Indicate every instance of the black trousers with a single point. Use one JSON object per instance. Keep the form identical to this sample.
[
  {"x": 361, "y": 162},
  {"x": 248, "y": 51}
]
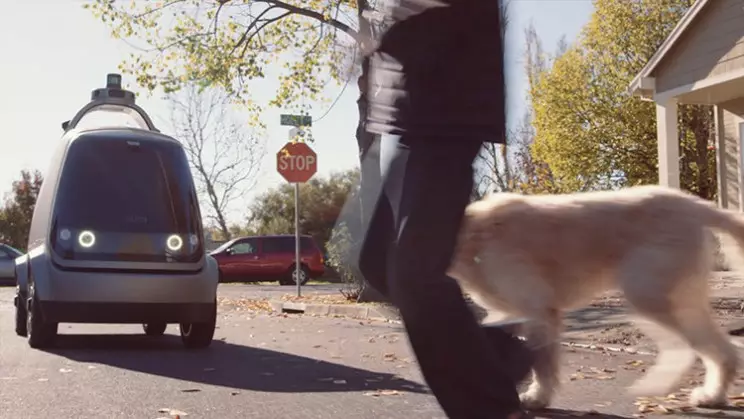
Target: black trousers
[{"x": 414, "y": 191}]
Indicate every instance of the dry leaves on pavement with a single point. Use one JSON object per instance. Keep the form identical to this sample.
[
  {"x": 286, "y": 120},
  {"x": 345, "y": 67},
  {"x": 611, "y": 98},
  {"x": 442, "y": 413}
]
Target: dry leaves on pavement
[
  {"x": 317, "y": 299},
  {"x": 378, "y": 393},
  {"x": 593, "y": 373},
  {"x": 248, "y": 304}
]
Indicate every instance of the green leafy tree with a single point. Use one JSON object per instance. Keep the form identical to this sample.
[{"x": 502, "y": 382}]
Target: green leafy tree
[
  {"x": 321, "y": 202},
  {"x": 589, "y": 130},
  {"x": 16, "y": 214},
  {"x": 234, "y": 43}
]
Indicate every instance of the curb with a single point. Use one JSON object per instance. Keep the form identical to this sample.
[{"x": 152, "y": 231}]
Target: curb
[{"x": 355, "y": 311}]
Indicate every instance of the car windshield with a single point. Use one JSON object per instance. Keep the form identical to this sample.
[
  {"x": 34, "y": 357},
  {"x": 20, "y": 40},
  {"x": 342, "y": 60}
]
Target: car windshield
[
  {"x": 129, "y": 189},
  {"x": 224, "y": 246}
]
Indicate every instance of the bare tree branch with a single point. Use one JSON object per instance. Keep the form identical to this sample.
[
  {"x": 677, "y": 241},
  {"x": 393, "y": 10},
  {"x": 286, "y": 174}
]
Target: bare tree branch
[{"x": 225, "y": 159}]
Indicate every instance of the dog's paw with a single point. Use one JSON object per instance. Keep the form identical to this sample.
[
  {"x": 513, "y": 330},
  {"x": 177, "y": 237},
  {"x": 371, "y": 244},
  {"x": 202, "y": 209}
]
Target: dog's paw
[
  {"x": 701, "y": 397},
  {"x": 534, "y": 399}
]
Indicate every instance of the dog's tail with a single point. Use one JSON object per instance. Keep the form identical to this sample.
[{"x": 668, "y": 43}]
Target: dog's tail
[{"x": 731, "y": 224}]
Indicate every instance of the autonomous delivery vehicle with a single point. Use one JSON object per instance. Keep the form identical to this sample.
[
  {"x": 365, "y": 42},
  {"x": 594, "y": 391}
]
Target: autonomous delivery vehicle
[{"x": 116, "y": 234}]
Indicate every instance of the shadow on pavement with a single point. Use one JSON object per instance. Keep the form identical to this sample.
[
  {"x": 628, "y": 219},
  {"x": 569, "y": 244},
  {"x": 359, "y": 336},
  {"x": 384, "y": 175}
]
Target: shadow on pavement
[
  {"x": 595, "y": 317},
  {"x": 226, "y": 364},
  {"x": 565, "y": 413}
]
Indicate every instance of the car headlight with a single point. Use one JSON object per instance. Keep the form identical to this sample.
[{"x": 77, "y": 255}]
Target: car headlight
[
  {"x": 85, "y": 238},
  {"x": 194, "y": 240},
  {"x": 65, "y": 234},
  {"x": 174, "y": 243}
]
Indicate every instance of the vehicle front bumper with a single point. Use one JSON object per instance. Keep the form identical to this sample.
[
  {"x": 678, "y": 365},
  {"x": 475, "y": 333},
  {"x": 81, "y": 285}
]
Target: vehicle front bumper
[{"x": 118, "y": 297}]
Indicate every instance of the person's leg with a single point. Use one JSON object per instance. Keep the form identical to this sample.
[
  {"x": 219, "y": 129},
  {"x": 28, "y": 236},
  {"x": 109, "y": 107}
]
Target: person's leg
[
  {"x": 376, "y": 220},
  {"x": 428, "y": 182}
]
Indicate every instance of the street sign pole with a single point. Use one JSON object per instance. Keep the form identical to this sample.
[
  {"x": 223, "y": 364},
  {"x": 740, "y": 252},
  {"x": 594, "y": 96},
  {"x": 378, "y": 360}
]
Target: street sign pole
[
  {"x": 297, "y": 238},
  {"x": 297, "y": 163}
]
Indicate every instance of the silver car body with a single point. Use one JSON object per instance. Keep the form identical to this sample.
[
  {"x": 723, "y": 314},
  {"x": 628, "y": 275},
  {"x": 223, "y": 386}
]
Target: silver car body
[{"x": 110, "y": 291}]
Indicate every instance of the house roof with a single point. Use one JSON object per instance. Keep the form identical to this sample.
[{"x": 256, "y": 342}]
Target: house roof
[{"x": 694, "y": 11}]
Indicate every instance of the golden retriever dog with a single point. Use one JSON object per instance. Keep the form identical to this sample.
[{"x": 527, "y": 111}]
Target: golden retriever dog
[{"x": 536, "y": 257}]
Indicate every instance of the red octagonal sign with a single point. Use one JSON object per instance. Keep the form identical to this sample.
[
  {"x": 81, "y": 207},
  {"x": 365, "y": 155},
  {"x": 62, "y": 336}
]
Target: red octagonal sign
[{"x": 296, "y": 162}]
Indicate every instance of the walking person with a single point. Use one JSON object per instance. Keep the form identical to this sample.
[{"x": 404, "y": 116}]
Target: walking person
[{"x": 436, "y": 93}]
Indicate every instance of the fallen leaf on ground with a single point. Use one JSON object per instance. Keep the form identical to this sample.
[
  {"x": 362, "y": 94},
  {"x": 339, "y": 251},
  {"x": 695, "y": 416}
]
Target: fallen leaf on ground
[
  {"x": 172, "y": 412},
  {"x": 378, "y": 393},
  {"x": 389, "y": 357}
]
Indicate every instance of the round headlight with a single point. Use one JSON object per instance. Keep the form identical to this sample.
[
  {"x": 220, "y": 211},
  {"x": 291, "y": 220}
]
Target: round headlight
[
  {"x": 174, "y": 243},
  {"x": 86, "y": 239},
  {"x": 194, "y": 239},
  {"x": 65, "y": 234}
]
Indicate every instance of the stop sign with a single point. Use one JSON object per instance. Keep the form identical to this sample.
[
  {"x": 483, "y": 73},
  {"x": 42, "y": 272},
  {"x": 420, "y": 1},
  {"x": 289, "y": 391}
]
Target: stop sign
[{"x": 296, "y": 162}]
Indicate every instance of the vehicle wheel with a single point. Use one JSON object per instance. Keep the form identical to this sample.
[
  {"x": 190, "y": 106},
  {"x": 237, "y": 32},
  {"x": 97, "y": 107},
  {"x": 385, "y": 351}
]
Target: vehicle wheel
[
  {"x": 199, "y": 335},
  {"x": 40, "y": 334},
  {"x": 20, "y": 316},
  {"x": 154, "y": 329},
  {"x": 304, "y": 275}
]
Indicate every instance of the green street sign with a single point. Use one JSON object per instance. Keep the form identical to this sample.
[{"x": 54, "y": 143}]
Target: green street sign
[{"x": 297, "y": 120}]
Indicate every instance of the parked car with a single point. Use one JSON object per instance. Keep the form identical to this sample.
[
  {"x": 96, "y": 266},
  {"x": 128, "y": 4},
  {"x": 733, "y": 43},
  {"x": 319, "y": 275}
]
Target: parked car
[
  {"x": 8, "y": 255},
  {"x": 259, "y": 258}
]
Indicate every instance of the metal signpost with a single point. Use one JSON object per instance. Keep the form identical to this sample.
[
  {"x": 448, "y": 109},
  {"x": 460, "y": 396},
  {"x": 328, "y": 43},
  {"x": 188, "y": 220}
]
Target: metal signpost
[{"x": 297, "y": 163}]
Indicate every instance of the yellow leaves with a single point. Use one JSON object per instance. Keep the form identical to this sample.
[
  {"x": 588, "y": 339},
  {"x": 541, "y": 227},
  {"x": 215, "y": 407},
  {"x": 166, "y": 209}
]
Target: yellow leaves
[
  {"x": 189, "y": 40},
  {"x": 588, "y": 129}
]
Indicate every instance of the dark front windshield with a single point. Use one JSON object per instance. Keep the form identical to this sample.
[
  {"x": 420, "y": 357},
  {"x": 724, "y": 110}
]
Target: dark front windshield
[{"x": 132, "y": 195}]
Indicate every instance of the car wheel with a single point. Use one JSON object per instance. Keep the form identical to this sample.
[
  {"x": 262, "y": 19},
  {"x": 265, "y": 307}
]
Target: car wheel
[
  {"x": 199, "y": 335},
  {"x": 20, "y": 315},
  {"x": 40, "y": 334},
  {"x": 154, "y": 329},
  {"x": 304, "y": 275}
]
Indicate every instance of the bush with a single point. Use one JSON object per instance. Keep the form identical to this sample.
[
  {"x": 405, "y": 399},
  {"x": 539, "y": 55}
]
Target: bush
[{"x": 341, "y": 251}]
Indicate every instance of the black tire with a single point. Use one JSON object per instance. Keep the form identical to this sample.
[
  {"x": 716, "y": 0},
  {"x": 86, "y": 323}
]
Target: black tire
[
  {"x": 199, "y": 335},
  {"x": 40, "y": 334},
  {"x": 20, "y": 316},
  {"x": 154, "y": 329},
  {"x": 304, "y": 274}
]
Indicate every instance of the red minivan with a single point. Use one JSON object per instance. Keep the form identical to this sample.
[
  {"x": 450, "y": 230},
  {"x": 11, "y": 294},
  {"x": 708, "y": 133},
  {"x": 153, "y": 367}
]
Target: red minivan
[{"x": 259, "y": 258}]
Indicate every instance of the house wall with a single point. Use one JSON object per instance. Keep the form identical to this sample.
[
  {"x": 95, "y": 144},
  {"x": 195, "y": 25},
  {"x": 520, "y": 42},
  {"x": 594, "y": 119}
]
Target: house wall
[
  {"x": 713, "y": 45},
  {"x": 733, "y": 115}
]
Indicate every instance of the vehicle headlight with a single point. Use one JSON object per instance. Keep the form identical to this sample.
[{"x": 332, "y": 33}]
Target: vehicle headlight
[
  {"x": 86, "y": 238},
  {"x": 194, "y": 240},
  {"x": 65, "y": 234},
  {"x": 174, "y": 243}
]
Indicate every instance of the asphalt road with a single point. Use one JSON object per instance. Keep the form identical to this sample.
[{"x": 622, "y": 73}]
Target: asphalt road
[{"x": 261, "y": 366}]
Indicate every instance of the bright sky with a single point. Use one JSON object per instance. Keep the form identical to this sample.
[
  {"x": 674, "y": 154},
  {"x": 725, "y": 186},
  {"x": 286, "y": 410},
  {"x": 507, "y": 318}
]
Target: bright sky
[{"x": 55, "y": 53}]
